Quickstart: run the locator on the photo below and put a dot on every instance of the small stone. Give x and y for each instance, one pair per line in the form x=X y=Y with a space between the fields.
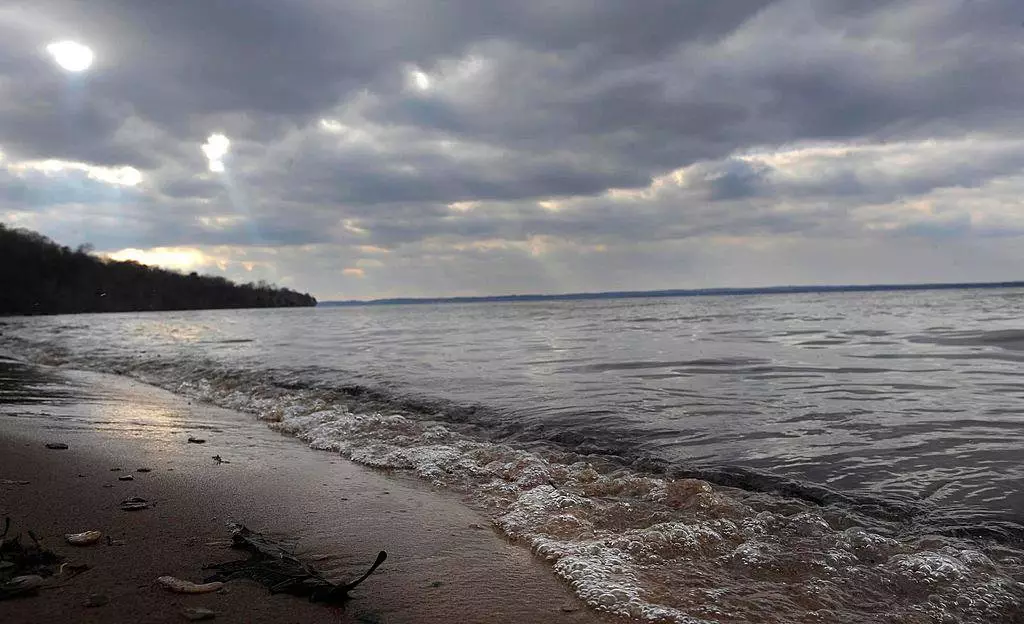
x=143 y=470
x=56 y=446
x=117 y=469
x=197 y=614
x=436 y=584
x=96 y=600
x=126 y=478
x=196 y=440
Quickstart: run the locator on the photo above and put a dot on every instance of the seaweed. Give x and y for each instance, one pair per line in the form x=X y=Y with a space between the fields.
x=273 y=565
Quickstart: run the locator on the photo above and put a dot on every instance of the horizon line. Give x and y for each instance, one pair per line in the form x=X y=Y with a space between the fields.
x=676 y=292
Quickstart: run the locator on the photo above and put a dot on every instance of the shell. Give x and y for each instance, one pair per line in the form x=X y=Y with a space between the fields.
x=134 y=503
x=179 y=586
x=83 y=539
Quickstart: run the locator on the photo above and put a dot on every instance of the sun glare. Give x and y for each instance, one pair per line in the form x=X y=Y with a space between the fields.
x=72 y=56
x=215 y=149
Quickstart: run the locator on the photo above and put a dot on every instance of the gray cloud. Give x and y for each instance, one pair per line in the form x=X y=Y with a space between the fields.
x=540 y=135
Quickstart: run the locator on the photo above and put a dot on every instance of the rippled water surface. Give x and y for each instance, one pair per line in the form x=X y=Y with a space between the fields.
x=903 y=410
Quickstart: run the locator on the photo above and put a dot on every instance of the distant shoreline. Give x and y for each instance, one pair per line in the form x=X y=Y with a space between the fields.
x=694 y=292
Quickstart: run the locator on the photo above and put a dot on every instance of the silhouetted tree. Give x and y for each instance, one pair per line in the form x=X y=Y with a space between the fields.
x=38 y=276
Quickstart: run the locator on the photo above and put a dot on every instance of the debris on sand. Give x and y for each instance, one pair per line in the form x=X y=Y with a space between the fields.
x=276 y=567
x=85 y=538
x=198 y=614
x=56 y=446
x=126 y=478
x=220 y=460
x=143 y=470
x=179 y=586
x=196 y=440
x=23 y=567
x=71 y=569
x=134 y=503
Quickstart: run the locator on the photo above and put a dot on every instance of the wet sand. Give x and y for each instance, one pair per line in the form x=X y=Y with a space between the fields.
x=445 y=564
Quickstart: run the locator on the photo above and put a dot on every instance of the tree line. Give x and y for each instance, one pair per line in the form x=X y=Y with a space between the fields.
x=39 y=276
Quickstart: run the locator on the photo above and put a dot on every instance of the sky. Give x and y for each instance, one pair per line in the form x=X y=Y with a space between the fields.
x=360 y=149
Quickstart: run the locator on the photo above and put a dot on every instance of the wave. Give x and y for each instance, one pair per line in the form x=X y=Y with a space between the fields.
x=636 y=536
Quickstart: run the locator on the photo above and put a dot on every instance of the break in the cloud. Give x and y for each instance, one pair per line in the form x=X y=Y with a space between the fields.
x=464 y=147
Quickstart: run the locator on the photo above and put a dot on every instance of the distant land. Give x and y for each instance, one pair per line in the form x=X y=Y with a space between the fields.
x=38 y=276
x=694 y=292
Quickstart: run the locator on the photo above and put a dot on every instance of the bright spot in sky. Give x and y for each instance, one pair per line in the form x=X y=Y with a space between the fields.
x=70 y=55
x=215 y=149
x=121 y=176
x=179 y=258
x=331 y=125
x=114 y=176
x=419 y=79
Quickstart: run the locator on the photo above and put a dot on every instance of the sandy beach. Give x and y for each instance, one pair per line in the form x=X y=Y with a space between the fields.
x=445 y=563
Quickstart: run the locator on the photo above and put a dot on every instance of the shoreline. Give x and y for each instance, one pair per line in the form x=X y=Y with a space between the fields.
x=444 y=562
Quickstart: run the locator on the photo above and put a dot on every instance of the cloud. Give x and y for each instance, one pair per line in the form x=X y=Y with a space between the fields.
x=528 y=146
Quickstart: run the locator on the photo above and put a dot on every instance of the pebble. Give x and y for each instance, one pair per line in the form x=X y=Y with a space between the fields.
x=56 y=446
x=143 y=470
x=197 y=614
x=126 y=478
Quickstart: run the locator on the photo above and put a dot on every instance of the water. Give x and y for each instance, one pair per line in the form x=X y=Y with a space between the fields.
x=858 y=454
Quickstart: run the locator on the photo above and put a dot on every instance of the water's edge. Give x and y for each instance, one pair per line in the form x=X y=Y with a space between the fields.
x=644 y=539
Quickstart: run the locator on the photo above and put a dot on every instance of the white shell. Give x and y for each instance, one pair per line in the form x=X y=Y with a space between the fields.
x=83 y=539
x=188 y=587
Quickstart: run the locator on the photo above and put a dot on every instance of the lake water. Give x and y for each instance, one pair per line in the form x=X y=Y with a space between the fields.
x=863 y=450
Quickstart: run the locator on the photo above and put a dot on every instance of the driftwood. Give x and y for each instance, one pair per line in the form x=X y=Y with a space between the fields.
x=275 y=566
